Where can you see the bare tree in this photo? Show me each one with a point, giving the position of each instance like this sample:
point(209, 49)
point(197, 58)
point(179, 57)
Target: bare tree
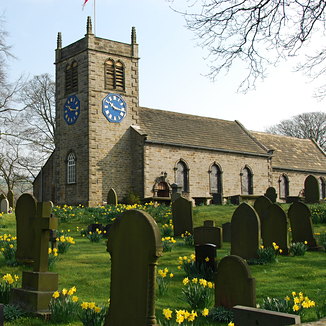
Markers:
point(257, 33)
point(306, 125)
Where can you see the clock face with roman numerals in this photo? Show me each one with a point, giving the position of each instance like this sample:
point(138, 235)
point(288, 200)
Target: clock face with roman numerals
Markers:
point(114, 108)
point(71, 109)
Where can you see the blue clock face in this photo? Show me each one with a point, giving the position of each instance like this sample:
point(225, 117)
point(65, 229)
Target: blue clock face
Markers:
point(71, 109)
point(114, 107)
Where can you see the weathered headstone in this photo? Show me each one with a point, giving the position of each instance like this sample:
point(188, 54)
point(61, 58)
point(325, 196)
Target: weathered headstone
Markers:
point(245, 230)
point(25, 219)
point(261, 206)
point(226, 231)
point(4, 206)
point(249, 316)
point(134, 244)
point(38, 285)
point(301, 224)
point(206, 256)
point(276, 226)
point(182, 216)
point(112, 198)
point(10, 196)
point(311, 190)
point(271, 194)
point(176, 191)
point(208, 234)
point(234, 284)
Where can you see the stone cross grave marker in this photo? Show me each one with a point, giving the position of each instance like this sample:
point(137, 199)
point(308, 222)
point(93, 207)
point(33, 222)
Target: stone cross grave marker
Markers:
point(226, 232)
point(11, 199)
point(25, 218)
point(311, 190)
point(245, 230)
point(208, 234)
point(261, 206)
point(260, 317)
point(134, 243)
point(276, 226)
point(112, 198)
point(301, 225)
point(271, 194)
point(182, 216)
point(234, 284)
point(4, 206)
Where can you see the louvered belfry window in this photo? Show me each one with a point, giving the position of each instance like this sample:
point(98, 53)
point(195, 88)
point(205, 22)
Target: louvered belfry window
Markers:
point(71, 78)
point(114, 75)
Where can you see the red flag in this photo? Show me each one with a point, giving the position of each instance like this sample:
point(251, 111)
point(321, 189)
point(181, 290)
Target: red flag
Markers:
point(85, 3)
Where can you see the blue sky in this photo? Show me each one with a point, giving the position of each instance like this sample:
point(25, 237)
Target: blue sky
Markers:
point(172, 67)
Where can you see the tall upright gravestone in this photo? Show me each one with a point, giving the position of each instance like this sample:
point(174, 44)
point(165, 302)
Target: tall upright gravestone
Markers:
point(245, 231)
point(134, 243)
point(301, 224)
point(182, 216)
point(261, 206)
point(10, 196)
point(276, 226)
point(271, 194)
point(4, 206)
point(234, 284)
point(112, 198)
point(311, 190)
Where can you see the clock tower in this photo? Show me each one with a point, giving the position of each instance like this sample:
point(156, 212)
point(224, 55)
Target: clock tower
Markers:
point(96, 103)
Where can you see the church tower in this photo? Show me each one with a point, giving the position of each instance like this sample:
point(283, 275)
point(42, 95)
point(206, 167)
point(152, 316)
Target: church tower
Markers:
point(96, 103)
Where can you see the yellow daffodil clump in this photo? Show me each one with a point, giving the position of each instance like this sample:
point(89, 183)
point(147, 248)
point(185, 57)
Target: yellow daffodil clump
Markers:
point(183, 316)
point(9, 279)
point(300, 301)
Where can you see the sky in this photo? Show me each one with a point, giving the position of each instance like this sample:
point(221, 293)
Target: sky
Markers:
point(172, 68)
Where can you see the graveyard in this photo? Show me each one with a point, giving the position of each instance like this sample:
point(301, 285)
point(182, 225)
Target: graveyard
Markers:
point(84, 266)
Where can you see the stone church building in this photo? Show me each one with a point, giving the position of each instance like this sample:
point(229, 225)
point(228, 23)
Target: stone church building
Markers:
point(104, 140)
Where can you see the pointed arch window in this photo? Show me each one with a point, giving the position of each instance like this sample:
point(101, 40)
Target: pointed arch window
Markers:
point(114, 75)
point(182, 176)
point(322, 187)
point(215, 179)
point(246, 181)
point(71, 78)
point(71, 168)
point(284, 186)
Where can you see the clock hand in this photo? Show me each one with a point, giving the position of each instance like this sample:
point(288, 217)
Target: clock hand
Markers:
point(115, 108)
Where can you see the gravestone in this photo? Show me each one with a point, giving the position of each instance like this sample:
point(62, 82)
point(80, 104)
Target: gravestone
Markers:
point(2, 196)
point(176, 191)
point(10, 196)
point(260, 317)
point(276, 225)
point(226, 231)
point(112, 198)
point(311, 190)
point(271, 194)
point(245, 230)
point(301, 225)
point(182, 216)
point(38, 285)
point(4, 206)
point(134, 244)
point(25, 219)
point(208, 234)
point(261, 206)
point(206, 255)
point(234, 284)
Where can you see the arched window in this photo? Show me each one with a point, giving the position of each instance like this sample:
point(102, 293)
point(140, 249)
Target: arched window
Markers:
point(322, 187)
point(215, 181)
point(71, 168)
point(71, 78)
point(114, 75)
point(182, 176)
point(246, 181)
point(284, 186)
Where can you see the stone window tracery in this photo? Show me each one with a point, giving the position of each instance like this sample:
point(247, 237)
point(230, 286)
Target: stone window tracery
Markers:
point(71, 168)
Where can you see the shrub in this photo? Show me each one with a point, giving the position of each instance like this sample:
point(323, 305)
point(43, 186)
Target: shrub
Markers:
point(8, 283)
point(12, 312)
point(92, 315)
point(64, 242)
point(318, 213)
point(298, 248)
point(131, 199)
point(168, 243)
point(221, 314)
point(188, 239)
point(163, 279)
point(8, 249)
point(167, 229)
point(198, 292)
point(95, 236)
point(266, 255)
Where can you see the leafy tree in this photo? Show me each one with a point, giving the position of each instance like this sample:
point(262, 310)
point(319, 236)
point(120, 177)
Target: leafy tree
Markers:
point(305, 125)
point(257, 33)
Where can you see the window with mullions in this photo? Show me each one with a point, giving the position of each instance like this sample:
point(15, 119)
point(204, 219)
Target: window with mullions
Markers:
point(114, 75)
point(71, 78)
point(71, 168)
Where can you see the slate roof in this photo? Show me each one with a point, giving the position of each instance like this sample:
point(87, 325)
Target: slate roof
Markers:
point(293, 153)
point(165, 127)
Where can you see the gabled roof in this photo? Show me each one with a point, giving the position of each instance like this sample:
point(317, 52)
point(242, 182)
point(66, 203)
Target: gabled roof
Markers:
point(293, 153)
point(171, 128)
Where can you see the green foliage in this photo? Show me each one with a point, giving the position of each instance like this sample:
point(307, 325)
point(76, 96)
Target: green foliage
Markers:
point(167, 229)
point(7, 284)
point(163, 279)
point(298, 249)
point(277, 304)
point(92, 315)
point(8, 249)
point(96, 236)
point(194, 269)
point(12, 312)
point(53, 258)
point(131, 199)
point(265, 256)
point(321, 238)
point(168, 243)
point(318, 213)
point(188, 239)
point(221, 314)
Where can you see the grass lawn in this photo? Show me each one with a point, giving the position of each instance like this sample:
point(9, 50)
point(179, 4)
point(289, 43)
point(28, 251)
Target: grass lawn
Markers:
point(86, 265)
